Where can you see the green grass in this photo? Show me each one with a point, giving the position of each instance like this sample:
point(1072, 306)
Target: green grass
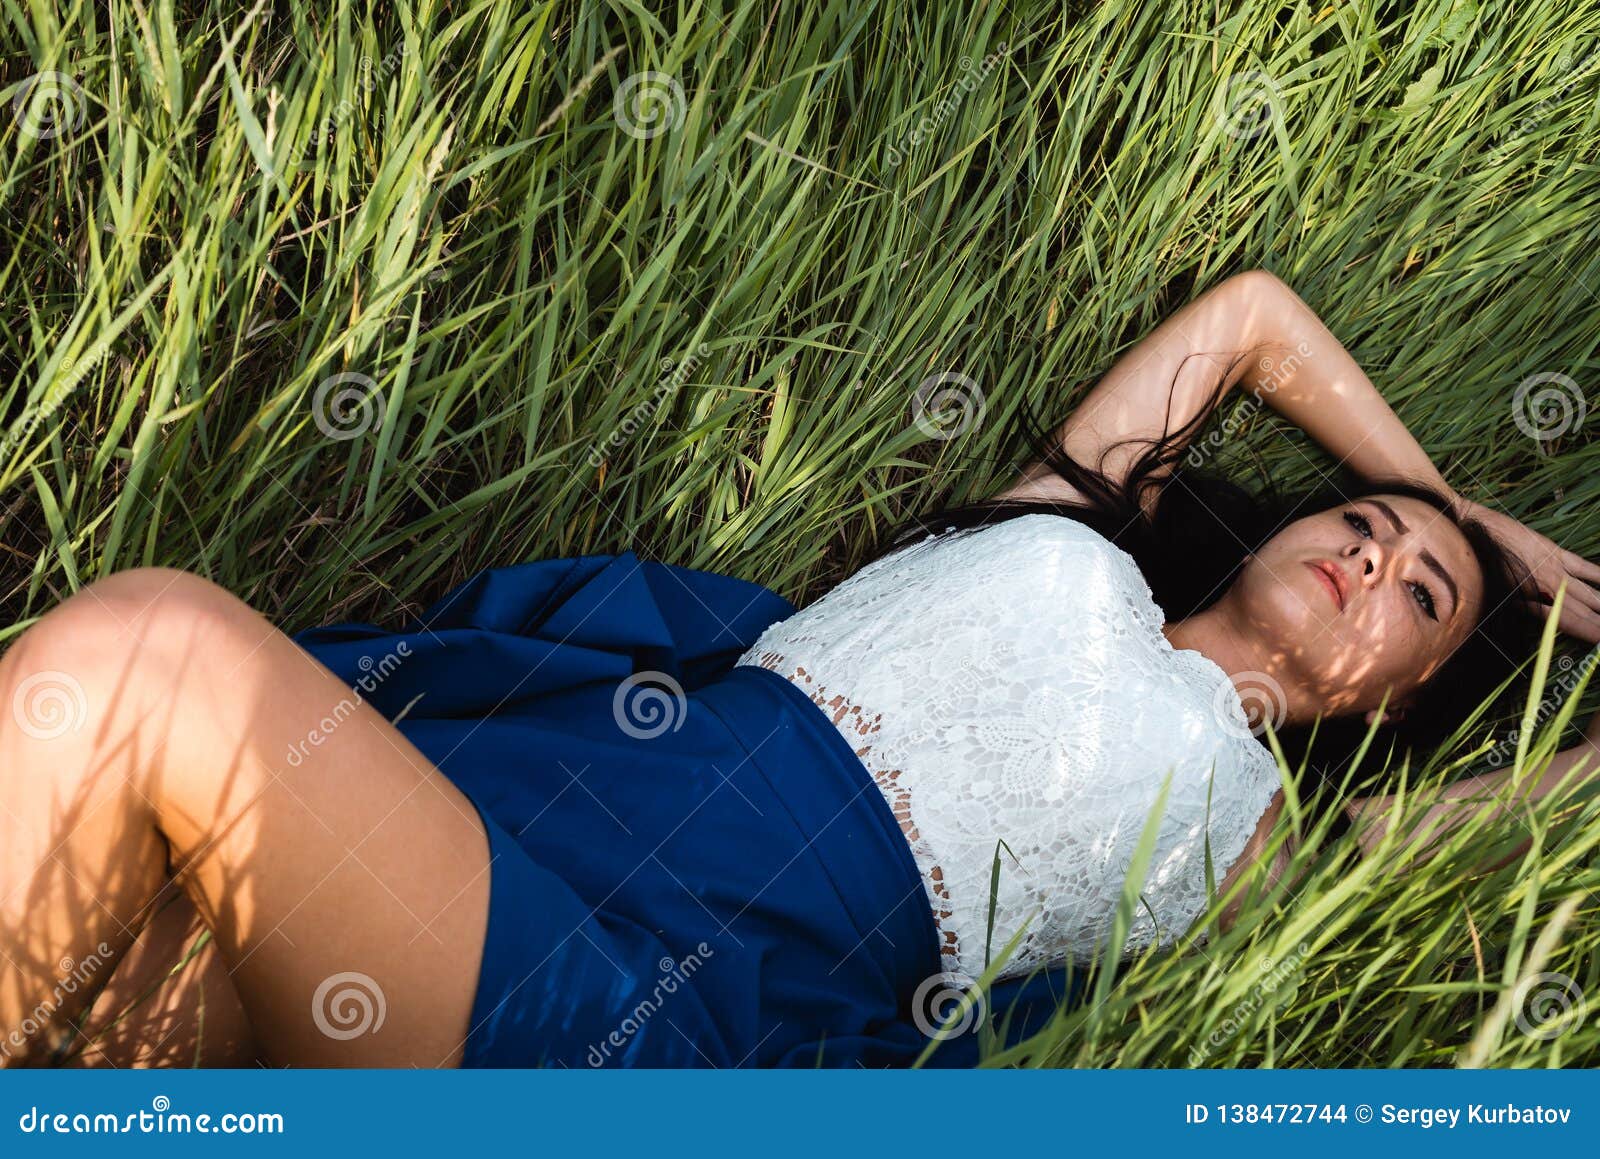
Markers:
point(850, 198)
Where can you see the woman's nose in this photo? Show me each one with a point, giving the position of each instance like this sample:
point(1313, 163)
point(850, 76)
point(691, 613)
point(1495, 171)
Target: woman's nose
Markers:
point(1369, 555)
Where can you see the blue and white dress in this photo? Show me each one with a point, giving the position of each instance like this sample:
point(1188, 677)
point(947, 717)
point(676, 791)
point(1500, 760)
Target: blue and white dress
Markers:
point(727, 833)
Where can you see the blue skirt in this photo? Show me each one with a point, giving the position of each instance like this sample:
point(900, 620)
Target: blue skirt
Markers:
point(689, 866)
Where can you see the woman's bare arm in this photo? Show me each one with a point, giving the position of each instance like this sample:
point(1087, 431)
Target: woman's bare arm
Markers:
point(1495, 794)
point(1256, 850)
point(1294, 365)
point(1372, 817)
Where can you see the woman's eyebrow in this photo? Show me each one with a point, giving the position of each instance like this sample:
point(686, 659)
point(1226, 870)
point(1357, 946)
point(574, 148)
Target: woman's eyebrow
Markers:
point(1425, 555)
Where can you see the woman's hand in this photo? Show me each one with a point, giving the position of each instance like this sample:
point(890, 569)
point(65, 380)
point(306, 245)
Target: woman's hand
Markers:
point(1550, 564)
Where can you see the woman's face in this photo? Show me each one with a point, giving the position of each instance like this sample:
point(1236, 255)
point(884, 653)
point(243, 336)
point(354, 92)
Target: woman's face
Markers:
point(1372, 595)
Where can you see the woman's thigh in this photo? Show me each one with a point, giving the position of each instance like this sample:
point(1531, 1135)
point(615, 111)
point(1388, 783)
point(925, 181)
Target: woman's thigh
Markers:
point(170, 1001)
point(345, 879)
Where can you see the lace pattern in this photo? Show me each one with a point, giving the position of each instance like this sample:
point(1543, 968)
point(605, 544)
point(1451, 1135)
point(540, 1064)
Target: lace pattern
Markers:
point(1012, 695)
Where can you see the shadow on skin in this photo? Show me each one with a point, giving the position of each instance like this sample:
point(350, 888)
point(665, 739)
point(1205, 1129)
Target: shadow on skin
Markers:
point(153, 715)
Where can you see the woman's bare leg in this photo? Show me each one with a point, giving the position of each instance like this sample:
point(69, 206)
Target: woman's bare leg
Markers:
point(146, 727)
point(170, 1001)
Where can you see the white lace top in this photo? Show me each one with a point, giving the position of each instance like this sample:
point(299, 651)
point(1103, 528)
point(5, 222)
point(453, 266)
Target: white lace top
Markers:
point(1012, 683)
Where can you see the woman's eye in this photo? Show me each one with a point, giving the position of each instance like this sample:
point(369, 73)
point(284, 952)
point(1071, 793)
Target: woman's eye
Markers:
point(1425, 598)
point(1419, 592)
point(1359, 522)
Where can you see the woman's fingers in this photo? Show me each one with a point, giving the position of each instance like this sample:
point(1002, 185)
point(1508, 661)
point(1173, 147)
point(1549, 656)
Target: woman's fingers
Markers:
point(1580, 622)
point(1585, 592)
point(1580, 593)
point(1585, 625)
point(1581, 568)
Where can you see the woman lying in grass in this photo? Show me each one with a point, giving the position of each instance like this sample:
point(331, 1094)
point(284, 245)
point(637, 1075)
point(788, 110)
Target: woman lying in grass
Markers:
point(605, 811)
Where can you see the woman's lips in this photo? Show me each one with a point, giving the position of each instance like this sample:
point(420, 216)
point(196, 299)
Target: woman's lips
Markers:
point(1329, 581)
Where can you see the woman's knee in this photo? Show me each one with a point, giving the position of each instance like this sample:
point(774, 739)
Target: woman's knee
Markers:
point(113, 645)
point(141, 604)
point(138, 599)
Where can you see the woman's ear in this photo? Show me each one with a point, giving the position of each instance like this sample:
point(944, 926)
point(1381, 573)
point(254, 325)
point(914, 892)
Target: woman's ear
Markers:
point(1394, 714)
